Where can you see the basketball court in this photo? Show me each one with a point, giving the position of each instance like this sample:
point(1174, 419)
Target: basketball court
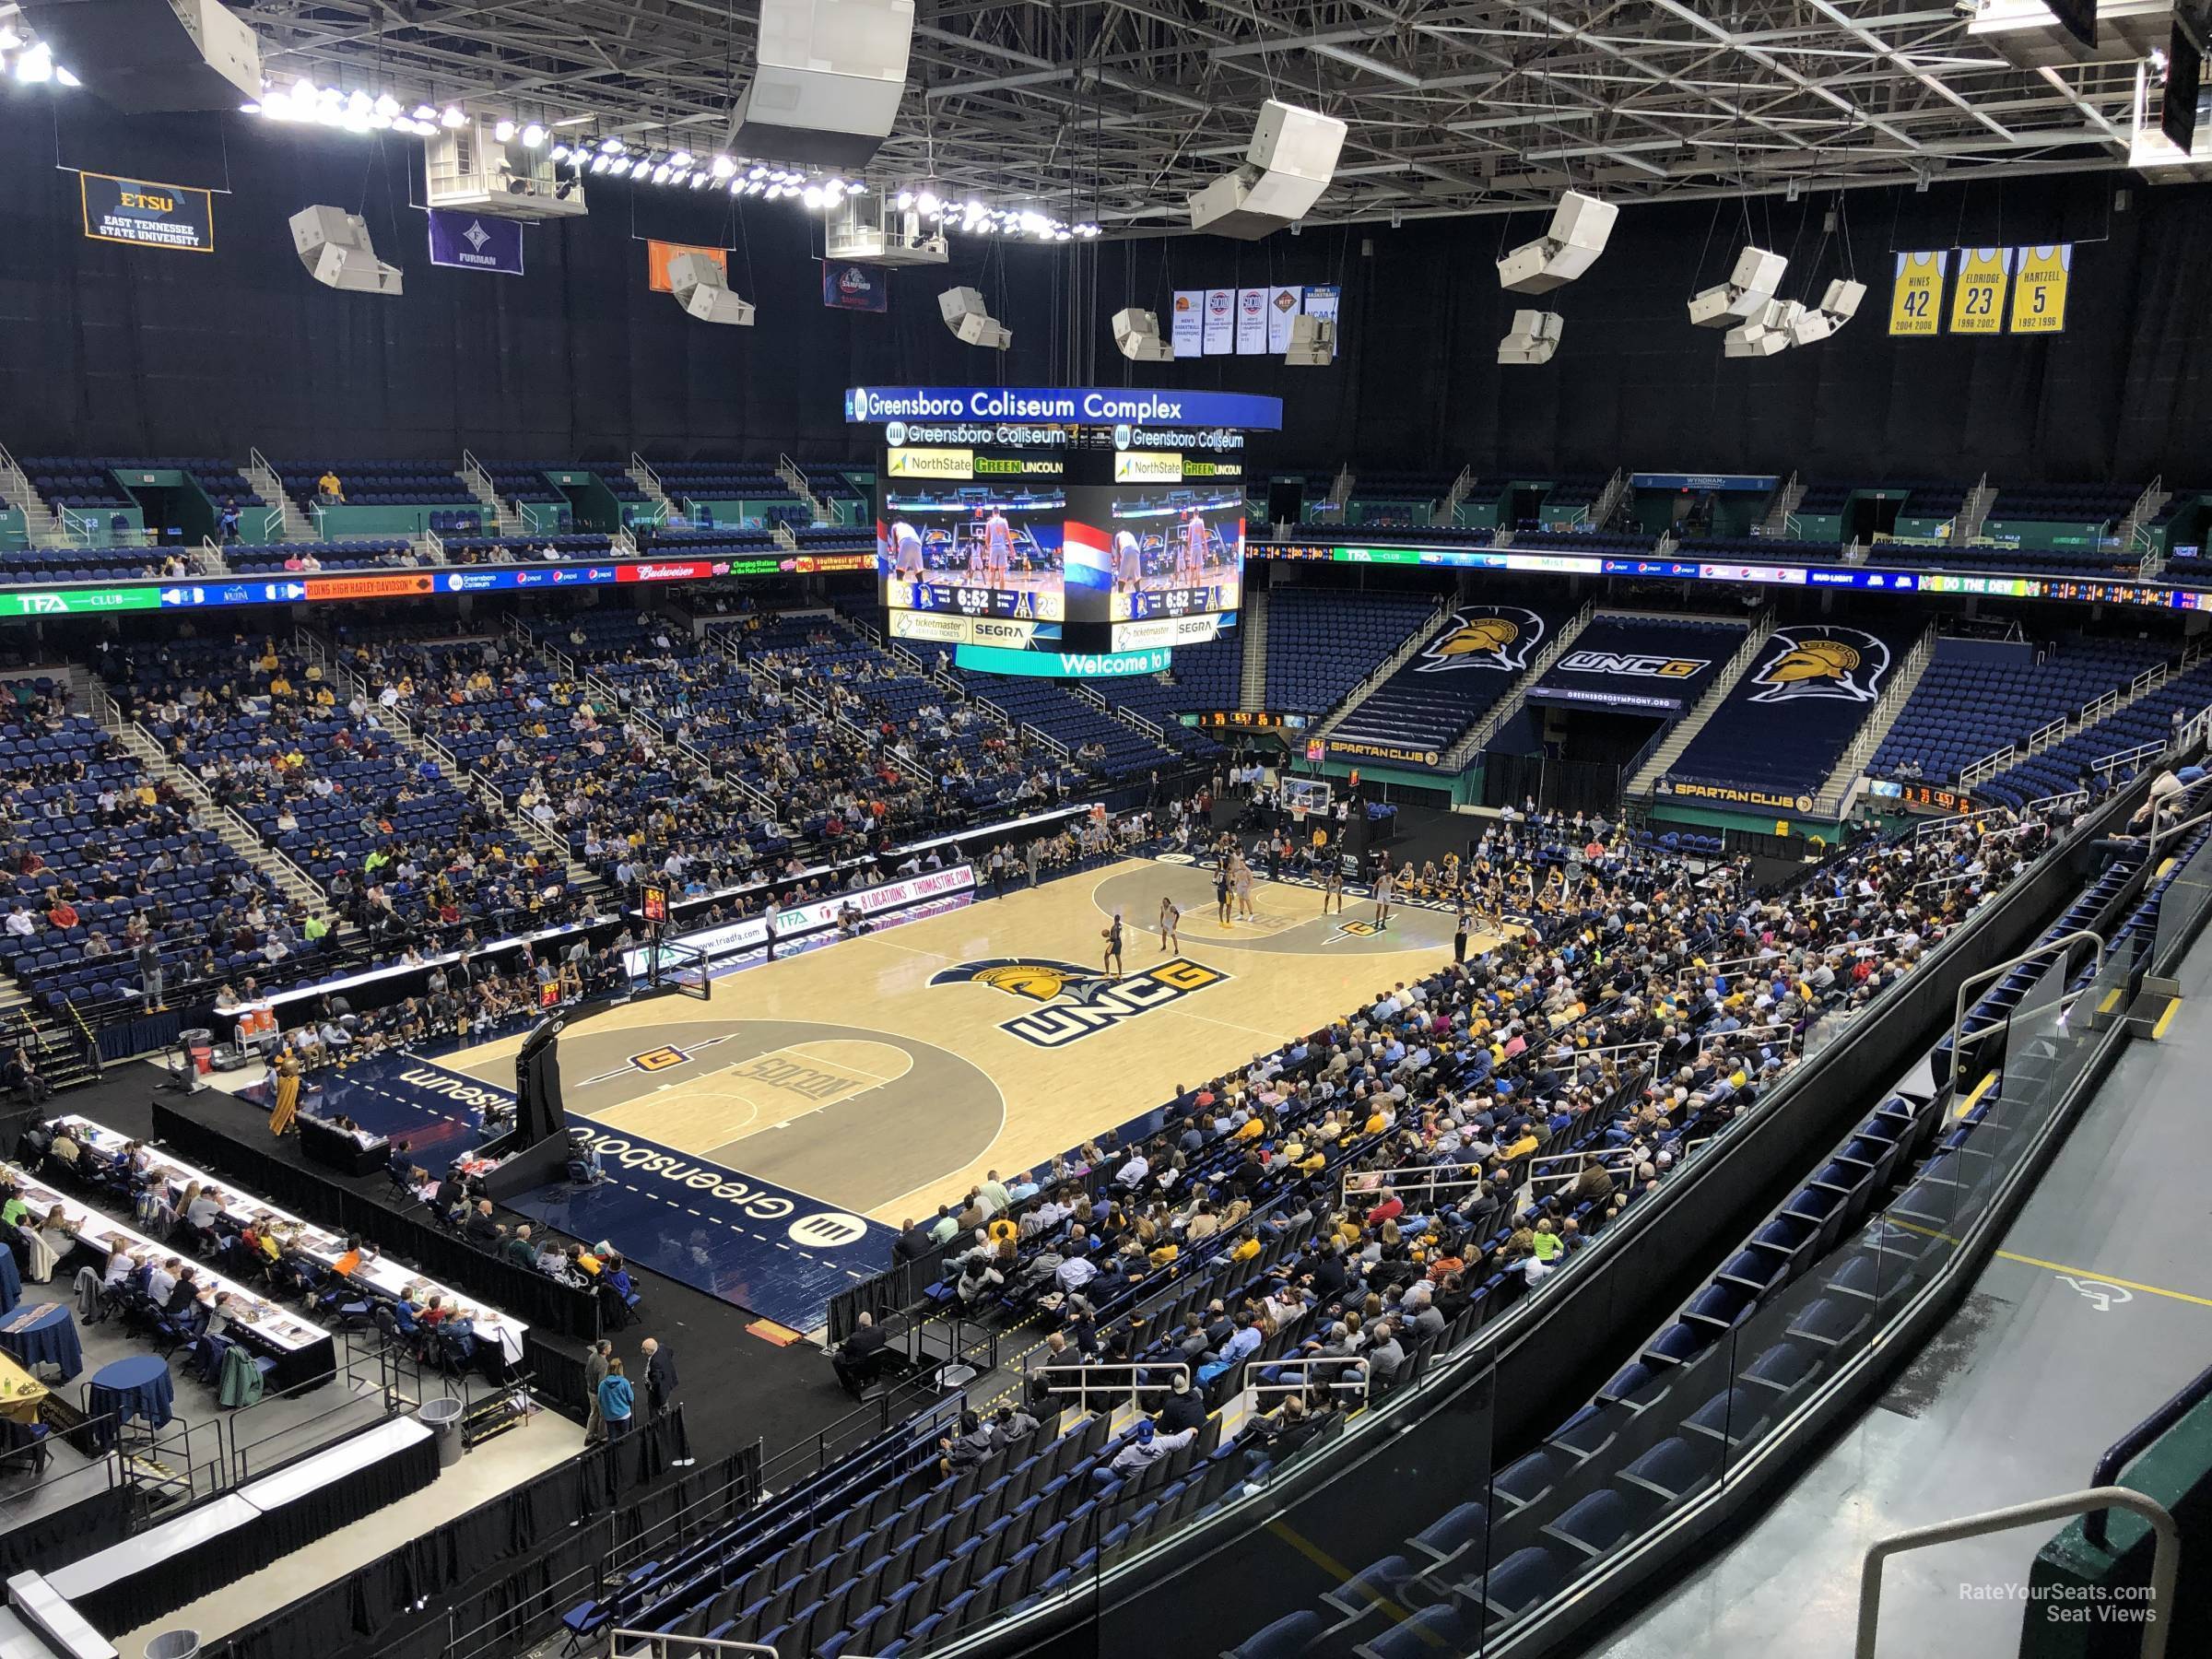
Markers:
point(886, 1074)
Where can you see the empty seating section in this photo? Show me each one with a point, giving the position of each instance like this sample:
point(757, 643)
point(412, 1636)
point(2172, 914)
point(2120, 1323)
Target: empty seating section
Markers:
point(223, 482)
point(2091, 562)
point(1784, 724)
point(1934, 501)
point(1433, 700)
point(731, 543)
point(23, 566)
point(1965, 711)
point(1600, 543)
point(2099, 504)
point(1826, 499)
point(378, 482)
point(524, 480)
point(91, 844)
point(66, 481)
point(1323, 641)
point(339, 794)
point(1095, 740)
point(1571, 493)
point(2141, 728)
point(1206, 677)
point(719, 480)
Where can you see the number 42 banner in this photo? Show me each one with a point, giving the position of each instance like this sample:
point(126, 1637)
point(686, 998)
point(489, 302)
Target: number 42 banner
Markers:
point(1916, 301)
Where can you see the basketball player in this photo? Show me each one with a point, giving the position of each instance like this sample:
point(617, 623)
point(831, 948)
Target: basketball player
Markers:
point(1128, 564)
point(1332, 890)
point(1112, 934)
point(1221, 886)
point(1384, 885)
point(1242, 873)
point(1171, 913)
point(998, 549)
point(1190, 562)
point(906, 552)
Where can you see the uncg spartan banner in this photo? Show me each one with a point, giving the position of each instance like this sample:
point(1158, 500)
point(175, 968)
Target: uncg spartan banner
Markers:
point(856, 288)
point(471, 241)
point(147, 214)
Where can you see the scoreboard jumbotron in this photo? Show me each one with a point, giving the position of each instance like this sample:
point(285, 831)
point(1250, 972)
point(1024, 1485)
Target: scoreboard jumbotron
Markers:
point(1087, 522)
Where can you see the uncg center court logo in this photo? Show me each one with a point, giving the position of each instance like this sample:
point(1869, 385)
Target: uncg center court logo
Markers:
point(1074, 1001)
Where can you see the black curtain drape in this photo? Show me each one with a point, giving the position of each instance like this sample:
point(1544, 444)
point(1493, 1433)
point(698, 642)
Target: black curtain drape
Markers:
point(114, 351)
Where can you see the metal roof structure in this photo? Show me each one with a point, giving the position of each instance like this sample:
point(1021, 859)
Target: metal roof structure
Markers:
point(1114, 110)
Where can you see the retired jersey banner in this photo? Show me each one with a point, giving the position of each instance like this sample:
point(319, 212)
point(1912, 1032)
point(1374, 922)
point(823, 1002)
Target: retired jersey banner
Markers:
point(1978, 297)
point(1252, 322)
point(1190, 311)
point(1282, 310)
point(145, 214)
point(2039, 293)
point(660, 254)
point(856, 288)
point(471, 241)
point(1916, 299)
point(1220, 322)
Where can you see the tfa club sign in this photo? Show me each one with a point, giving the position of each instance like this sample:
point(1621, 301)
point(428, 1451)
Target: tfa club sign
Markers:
point(147, 213)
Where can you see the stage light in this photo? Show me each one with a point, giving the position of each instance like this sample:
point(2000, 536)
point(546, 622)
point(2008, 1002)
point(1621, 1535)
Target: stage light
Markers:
point(359, 103)
point(700, 179)
point(905, 199)
point(681, 160)
point(63, 78)
point(422, 111)
point(723, 167)
point(453, 116)
point(503, 131)
point(758, 172)
point(599, 164)
point(612, 147)
point(532, 136)
point(660, 174)
point(930, 205)
point(387, 106)
point(561, 152)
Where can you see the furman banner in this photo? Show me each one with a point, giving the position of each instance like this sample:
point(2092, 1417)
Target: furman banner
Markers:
point(147, 214)
point(471, 241)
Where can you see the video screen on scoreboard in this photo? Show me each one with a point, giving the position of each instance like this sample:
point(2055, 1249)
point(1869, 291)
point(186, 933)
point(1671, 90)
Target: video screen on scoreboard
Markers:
point(953, 559)
point(1156, 557)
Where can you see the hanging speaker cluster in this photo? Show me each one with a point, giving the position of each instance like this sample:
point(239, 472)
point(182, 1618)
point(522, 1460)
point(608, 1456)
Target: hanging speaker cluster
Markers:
point(702, 287)
point(1744, 296)
point(335, 247)
point(1580, 227)
point(1137, 338)
point(969, 318)
point(1289, 164)
point(1534, 336)
point(1312, 342)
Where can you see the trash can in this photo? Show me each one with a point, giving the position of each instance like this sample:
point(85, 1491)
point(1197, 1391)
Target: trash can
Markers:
point(173, 1644)
point(199, 1043)
point(442, 1419)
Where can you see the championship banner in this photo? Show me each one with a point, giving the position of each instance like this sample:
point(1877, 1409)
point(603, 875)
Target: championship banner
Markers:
point(1190, 309)
point(1323, 300)
point(1252, 322)
point(145, 214)
point(1916, 299)
point(855, 288)
point(1282, 310)
point(470, 241)
point(1978, 298)
point(658, 255)
point(1220, 322)
point(2039, 295)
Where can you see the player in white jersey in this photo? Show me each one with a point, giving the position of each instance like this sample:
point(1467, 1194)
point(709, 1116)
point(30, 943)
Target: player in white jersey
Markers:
point(906, 552)
point(998, 549)
point(1128, 564)
point(1190, 564)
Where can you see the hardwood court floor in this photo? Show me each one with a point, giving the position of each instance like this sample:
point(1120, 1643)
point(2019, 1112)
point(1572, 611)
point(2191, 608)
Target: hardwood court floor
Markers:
point(887, 1074)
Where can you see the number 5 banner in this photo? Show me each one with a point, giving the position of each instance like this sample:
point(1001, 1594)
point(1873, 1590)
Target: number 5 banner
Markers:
point(2038, 291)
point(1916, 300)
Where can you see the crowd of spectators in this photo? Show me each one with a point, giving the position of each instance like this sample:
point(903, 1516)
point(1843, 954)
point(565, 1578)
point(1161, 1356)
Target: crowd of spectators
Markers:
point(1455, 1141)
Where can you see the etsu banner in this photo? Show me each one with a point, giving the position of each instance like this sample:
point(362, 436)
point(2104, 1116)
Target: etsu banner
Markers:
point(147, 214)
point(856, 288)
point(473, 241)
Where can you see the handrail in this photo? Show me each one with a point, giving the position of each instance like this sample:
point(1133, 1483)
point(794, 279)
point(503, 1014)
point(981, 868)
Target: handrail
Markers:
point(1138, 1373)
point(2136, 1440)
point(656, 1645)
point(1352, 1375)
point(2165, 1561)
point(2061, 945)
